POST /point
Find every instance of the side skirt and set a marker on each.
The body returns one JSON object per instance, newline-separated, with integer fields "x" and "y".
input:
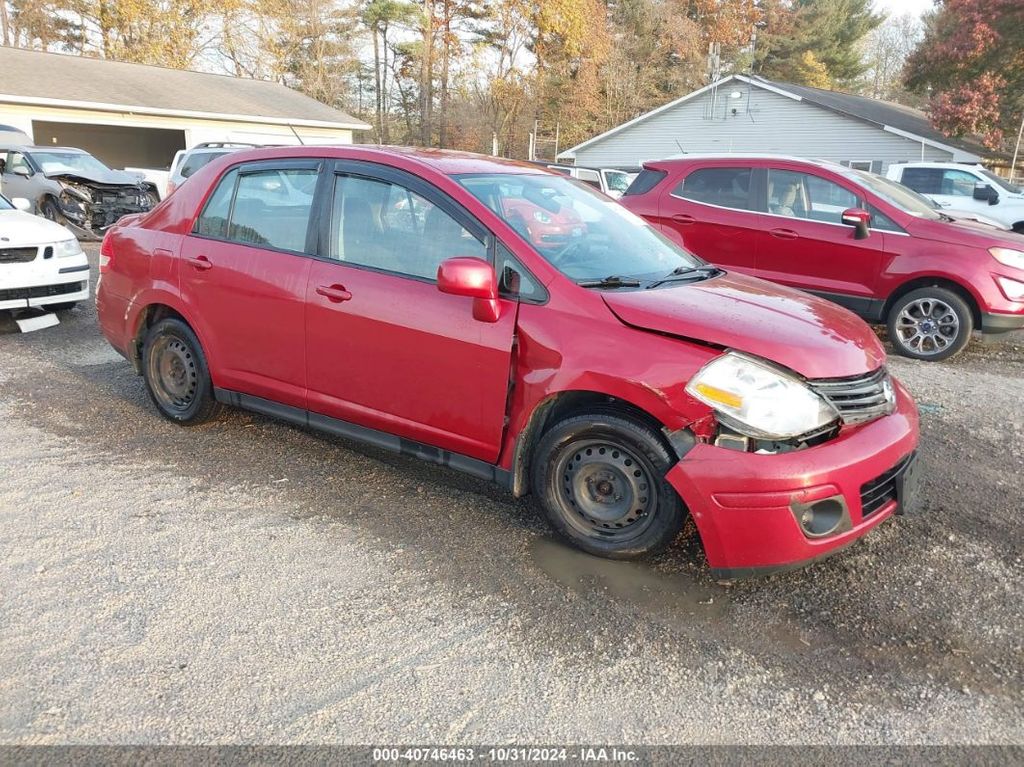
{"x": 375, "y": 437}
{"x": 868, "y": 309}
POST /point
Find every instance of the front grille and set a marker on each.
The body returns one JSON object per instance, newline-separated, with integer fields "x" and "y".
{"x": 41, "y": 291}
{"x": 17, "y": 255}
{"x": 858, "y": 398}
{"x": 879, "y": 491}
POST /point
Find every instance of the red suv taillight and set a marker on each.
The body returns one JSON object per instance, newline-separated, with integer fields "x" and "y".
{"x": 106, "y": 251}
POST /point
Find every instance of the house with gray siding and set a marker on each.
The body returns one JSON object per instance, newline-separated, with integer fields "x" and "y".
{"x": 743, "y": 113}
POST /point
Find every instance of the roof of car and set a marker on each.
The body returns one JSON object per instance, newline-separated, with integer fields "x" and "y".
{"x": 29, "y": 148}
{"x": 741, "y": 156}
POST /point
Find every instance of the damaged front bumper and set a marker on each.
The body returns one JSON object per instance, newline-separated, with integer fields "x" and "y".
{"x": 92, "y": 208}
{"x": 763, "y": 513}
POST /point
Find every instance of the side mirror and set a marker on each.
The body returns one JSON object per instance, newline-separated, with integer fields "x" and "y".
{"x": 986, "y": 193}
{"x": 860, "y": 220}
{"x": 473, "y": 278}
{"x": 21, "y": 170}
{"x": 22, "y": 204}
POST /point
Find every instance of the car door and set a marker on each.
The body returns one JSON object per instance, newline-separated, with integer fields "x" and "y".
{"x": 384, "y": 348}
{"x": 243, "y": 274}
{"x": 712, "y": 212}
{"x": 804, "y": 244}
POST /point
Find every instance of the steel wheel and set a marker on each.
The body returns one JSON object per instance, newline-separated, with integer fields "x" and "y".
{"x": 927, "y": 326}
{"x": 174, "y": 373}
{"x": 608, "y": 488}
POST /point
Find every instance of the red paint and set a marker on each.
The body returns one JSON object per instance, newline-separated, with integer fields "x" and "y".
{"x": 436, "y": 365}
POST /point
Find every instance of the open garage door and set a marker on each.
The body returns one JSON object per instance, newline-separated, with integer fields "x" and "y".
{"x": 116, "y": 145}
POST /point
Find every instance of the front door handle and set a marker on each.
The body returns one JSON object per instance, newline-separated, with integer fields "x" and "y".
{"x": 683, "y": 218}
{"x": 201, "y": 263}
{"x": 334, "y": 293}
{"x": 784, "y": 234}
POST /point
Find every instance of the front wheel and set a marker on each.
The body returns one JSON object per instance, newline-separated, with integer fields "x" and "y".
{"x": 601, "y": 481}
{"x": 51, "y": 211}
{"x": 930, "y": 324}
{"x": 176, "y": 375}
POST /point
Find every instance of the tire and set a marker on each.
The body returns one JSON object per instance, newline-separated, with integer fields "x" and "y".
{"x": 176, "y": 374}
{"x": 600, "y": 479}
{"x": 930, "y": 323}
{"x": 50, "y": 211}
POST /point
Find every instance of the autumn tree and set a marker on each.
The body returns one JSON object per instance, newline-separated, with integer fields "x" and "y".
{"x": 885, "y": 51}
{"x": 971, "y": 61}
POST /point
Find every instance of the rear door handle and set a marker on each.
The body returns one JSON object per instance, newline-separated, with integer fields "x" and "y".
{"x": 784, "y": 234}
{"x": 202, "y": 263}
{"x": 683, "y": 218}
{"x": 334, "y": 293}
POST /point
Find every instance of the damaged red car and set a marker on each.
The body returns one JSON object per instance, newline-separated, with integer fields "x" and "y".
{"x": 621, "y": 380}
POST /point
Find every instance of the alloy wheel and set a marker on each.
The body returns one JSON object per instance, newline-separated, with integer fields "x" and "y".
{"x": 927, "y": 326}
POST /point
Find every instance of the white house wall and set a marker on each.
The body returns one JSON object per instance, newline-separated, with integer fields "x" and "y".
{"x": 768, "y": 123}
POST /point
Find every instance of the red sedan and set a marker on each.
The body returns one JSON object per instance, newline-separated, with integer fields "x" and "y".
{"x": 385, "y": 295}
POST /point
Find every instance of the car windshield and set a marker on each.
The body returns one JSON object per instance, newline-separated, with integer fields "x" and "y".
{"x": 902, "y": 197}
{"x": 579, "y": 231}
{"x": 68, "y": 162}
{"x": 197, "y": 160}
{"x": 1000, "y": 181}
{"x": 618, "y": 181}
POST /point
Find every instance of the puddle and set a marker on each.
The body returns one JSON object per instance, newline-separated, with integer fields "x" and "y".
{"x": 633, "y": 585}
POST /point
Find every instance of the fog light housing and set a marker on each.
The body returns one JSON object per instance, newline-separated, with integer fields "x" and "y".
{"x": 824, "y": 517}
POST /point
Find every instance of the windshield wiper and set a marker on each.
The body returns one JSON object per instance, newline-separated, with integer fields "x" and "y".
{"x": 686, "y": 273}
{"x": 612, "y": 281}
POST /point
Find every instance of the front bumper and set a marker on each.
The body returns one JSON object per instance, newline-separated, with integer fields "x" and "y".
{"x": 741, "y": 502}
{"x": 996, "y": 322}
{"x": 44, "y": 282}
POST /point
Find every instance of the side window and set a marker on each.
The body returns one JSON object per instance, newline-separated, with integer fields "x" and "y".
{"x": 882, "y": 222}
{"x": 16, "y": 163}
{"x": 923, "y": 180}
{"x": 725, "y": 187}
{"x": 591, "y": 177}
{"x": 213, "y": 221}
{"x": 802, "y": 195}
{"x": 387, "y": 226}
{"x": 515, "y": 281}
{"x": 272, "y": 208}
{"x": 959, "y": 183}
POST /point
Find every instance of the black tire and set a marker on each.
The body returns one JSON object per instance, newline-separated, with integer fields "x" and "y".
{"x": 176, "y": 374}
{"x": 600, "y": 479}
{"x": 65, "y": 307}
{"x": 1019, "y": 227}
{"x": 51, "y": 211}
{"x": 930, "y": 323}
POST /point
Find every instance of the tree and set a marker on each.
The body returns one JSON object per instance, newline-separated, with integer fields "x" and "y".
{"x": 971, "y": 61}
{"x": 379, "y": 17}
{"x": 885, "y": 50}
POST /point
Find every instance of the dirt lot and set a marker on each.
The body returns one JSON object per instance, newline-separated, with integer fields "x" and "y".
{"x": 249, "y": 581}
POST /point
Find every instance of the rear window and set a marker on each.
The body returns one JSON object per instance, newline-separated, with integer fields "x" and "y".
{"x": 645, "y": 181}
{"x": 724, "y": 187}
{"x": 197, "y": 160}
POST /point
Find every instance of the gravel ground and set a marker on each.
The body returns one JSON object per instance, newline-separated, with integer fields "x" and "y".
{"x": 247, "y": 581}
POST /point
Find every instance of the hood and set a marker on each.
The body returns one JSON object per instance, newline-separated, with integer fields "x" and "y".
{"x": 814, "y": 337}
{"x": 19, "y": 229}
{"x": 964, "y": 232}
{"x": 976, "y": 220}
{"x": 108, "y": 177}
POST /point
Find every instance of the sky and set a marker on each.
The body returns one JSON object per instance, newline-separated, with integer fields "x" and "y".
{"x": 900, "y": 7}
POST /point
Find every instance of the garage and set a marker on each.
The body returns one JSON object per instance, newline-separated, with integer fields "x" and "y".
{"x": 116, "y": 145}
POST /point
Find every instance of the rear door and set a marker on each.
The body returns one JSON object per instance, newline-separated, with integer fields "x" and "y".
{"x": 243, "y": 275}
{"x": 712, "y": 212}
{"x": 803, "y": 243}
{"x": 384, "y": 348}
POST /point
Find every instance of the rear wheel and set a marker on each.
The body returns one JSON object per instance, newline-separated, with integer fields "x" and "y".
{"x": 601, "y": 481}
{"x": 930, "y": 323}
{"x": 176, "y": 375}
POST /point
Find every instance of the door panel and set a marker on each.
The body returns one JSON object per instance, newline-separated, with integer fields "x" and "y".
{"x": 385, "y": 348}
{"x": 711, "y": 214}
{"x": 803, "y": 245}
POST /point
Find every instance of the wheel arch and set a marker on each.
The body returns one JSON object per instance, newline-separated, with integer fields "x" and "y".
{"x": 563, "y": 404}
{"x": 148, "y": 316}
{"x": 929, "y": 281}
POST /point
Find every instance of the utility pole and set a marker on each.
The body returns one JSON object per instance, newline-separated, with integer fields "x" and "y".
{"x": 1016, "y": 149}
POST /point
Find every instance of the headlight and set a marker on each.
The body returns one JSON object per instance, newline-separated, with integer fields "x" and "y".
{"x": 1008, "y": 256}
{"x": 67, "y": 248}
{"x": 539, "y": 215}
{"x": 1014, "y": 290}
{"x": 759, "y": 400}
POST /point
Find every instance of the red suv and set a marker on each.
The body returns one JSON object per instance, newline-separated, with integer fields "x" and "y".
{"x": 867, "y": 243}
{"x": 384, "y": 295}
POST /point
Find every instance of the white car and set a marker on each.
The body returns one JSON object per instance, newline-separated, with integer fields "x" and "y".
{"x": 41, "y": 263}
{"x": 964, "y": 189}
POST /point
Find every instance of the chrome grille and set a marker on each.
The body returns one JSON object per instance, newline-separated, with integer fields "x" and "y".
{"x": 858, "y": 398}
{"x": 18, "y": 255}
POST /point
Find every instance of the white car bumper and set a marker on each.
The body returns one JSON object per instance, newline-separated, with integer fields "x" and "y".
{"x": 44, "y": 281}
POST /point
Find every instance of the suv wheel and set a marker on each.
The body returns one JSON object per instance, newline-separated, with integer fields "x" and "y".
{"x": 930, "y": 324}
{"x": 176, "y": 374}
{"x": 51, "y": 211}
{"x": 601, "y": 481}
